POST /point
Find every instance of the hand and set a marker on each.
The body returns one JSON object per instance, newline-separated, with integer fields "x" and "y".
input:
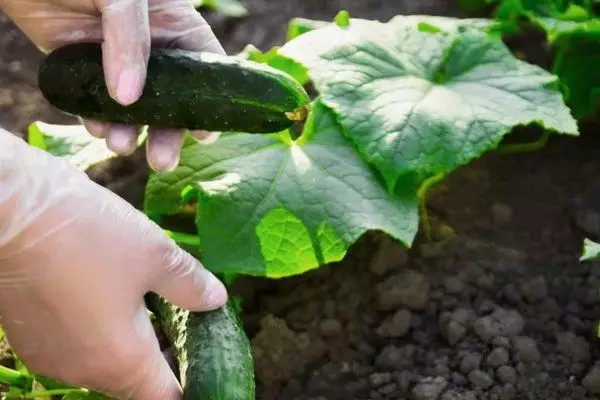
{"x": 75, "y": 263}
{"x": 127, "y": 28}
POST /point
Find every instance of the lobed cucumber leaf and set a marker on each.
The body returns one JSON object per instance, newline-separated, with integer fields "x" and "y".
{"x": 418, "y": 103}
{"x": 272, "y": 206}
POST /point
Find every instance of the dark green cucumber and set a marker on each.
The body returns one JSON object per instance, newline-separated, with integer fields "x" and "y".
{"x": 212, "y": 351}
{"x": 183, "y": 89}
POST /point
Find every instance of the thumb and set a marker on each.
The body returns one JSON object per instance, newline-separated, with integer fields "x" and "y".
{"x": 184, "y": 282}
{"x": 126, "y": 48}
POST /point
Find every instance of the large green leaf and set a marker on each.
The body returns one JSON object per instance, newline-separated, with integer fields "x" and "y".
{"x": 422, "y": 104}
{"x": 272, "y": 206}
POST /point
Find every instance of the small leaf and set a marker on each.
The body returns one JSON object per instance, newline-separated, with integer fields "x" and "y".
{"x": 299, "y": 26}
{"x": 275, "y": 207}
{"x": 591, "y": 250}
{"x": 276, "y": 60}
{"x": 72, "y": 142}
{"x": 576, "y": 65}
{"x": 230, "y": 8}
{"x": 342, "y": 19}
{"x": 423, "y": 104}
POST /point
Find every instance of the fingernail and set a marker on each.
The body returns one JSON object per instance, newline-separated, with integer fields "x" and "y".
{"x": 205, "y": 137}
{"x": 122, "y": 139}
{"x": 129, "y": 87}
{"x": 215, "y": 294}
{"x": 163, "y": 162}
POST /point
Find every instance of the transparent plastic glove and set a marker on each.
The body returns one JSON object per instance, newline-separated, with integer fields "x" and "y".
{"x": 75, "y": 263}
{"x": 127, "y": 28}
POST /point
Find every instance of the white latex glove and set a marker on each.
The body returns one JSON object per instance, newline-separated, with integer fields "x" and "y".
{"x": 75, "y": 263}
{"x": 127, "y": 28}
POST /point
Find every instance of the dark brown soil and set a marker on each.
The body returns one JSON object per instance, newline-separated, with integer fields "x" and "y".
{"x": 503, "y": 311}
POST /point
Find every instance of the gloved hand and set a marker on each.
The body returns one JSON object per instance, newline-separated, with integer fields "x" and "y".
{"x": 127, "y": 28}
{"x": 75, "y": 263}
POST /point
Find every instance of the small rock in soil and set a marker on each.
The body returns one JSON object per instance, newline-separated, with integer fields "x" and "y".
{"x": 330, "y": 327}
{"x": 454, "y": 285}
{"x": 392, "y": 357}
{"x": 455, "y": 394}
{"x": 275, "y": 345}
{"x": 501, "y": 214}
{"x": 390, "y": 255}
{"x": 511, "y": 293}
{"x": 509, "y": 393}
{"x": 485, "y": 306}
{"x": 402, "y": 379}
{"x": 408, "y": 289}
{"x": 481, "y": 379}
{"x": 454, "y": 326}
{"x": 470, "y": 362}
{"x": 501, "y": 322}
{"x": 396, "y": 325}
{"x": 497, "y": 357}
{"x": 429, "y": 388}
{"x": 458, "y": 379}
{"x": 380, "y": 378}
{"x": 573, "y": 346}
{"x": 506, "y": 374}
{"x": 388, "y": 389}
{"x": 525, "y": 349}
{"x": 591, "y": 382}
{"x": 535, "y": 289}
{"x": 501, "y": 341}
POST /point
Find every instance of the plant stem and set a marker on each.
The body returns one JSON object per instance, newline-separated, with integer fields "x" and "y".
{"x": 186, "y": 238}
{"x": 423, "y": 202}
{"x": 11, "y": 377}
{"x": 525, "y": 147}
{"x": 46, "y": 393}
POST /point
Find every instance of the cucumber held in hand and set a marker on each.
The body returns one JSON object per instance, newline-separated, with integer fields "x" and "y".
{"x": 183, "y": 89}
{"x": 212, "y": 351}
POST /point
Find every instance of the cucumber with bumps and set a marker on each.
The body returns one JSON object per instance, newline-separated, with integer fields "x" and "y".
{"x": 183, "y": 89}
{"x": 213, "y": 353}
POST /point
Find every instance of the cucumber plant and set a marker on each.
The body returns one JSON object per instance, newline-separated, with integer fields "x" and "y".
{"x": 396, "y": 106}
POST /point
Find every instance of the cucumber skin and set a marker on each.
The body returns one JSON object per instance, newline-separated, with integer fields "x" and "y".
{"x": 183, "y": 89}
{"x": 212, "y": 350}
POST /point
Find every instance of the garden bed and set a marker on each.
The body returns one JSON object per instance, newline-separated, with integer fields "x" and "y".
{"x": 501, "y": 310}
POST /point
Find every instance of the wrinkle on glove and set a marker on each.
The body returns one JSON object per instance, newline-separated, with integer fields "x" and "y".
{"x": 75, "y": 263}
{"x": 126, "y": 29}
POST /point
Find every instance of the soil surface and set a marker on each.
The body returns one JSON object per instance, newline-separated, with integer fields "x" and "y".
{"x": 503, "y": 310}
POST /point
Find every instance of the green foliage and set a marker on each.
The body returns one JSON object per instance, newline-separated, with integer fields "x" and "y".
{"x": 230, "y": 8}
{"x": 274, "y": 206}
{"x": 72, "y": 142}
{"x": 572, "y": 30}
{"x": 591, "y": 250}
{"x": 387, "y": 83}
{"x": 397, "y": 105}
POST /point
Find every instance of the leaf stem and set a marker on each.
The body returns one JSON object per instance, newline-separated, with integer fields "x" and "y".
{"x": 45, "y": 393}
{"x": 525, "y": 147}
{"x": 185, "y": 238}
{"x": 427, "y": 184}
{"x": 11, "y": 377}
